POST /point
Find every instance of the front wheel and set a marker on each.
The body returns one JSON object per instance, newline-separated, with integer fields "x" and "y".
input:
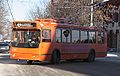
{"x": 55, "y": 58}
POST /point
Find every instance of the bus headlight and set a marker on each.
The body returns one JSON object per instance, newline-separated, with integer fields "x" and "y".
{"x": 13, "y": 49}
{"x": 35, "y": 56}
{"x": 13, "y": 55}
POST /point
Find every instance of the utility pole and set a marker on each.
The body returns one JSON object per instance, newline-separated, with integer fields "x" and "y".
{"x": 91, "y": 15}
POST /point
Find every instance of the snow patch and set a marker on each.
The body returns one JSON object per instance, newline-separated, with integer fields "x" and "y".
{"x": 112, "y": 55}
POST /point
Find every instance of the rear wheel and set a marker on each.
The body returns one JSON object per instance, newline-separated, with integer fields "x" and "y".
{"x": 91, "y": 57}
{"x": 29, "y": 61}
{"x": 55, "y": 58}
{"x": 70, "y": 60}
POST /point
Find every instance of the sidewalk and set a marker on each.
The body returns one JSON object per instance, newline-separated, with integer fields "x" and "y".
{"x": 112, "y": 57}
{"x": 114, "y": 54}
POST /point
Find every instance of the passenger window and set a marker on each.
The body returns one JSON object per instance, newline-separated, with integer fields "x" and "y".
{"x": 92, "y": 37}
{"x": 58, "y": 35}
{"x": 66, "y": 35}
{"x": 46, "y": 35}
{"x": 84, "y": 37}
{"x": 75, "y": 36}
{"x": 101, "y": 37}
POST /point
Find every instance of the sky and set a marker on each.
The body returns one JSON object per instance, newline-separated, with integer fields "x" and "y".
{"x": 20, "y": 8}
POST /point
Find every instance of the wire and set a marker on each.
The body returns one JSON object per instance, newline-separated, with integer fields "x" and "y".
{"x": 10, "y": 10}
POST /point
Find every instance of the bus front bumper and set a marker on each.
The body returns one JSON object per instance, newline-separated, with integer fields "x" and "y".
{"x": 23, "y": 56}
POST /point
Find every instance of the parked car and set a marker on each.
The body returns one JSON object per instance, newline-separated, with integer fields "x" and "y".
{"x": 4, "y": 47}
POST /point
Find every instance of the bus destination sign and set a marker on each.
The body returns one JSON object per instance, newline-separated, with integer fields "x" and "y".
{"x": 25, "y": 24}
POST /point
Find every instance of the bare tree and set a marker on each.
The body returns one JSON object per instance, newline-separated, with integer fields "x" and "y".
{"x": 106, "y": 14}
{"x": 39, "y": 11}
{"x": 77, "y": 10}
{"x": 2, "y": 16}
{"x": 5, "y": 24}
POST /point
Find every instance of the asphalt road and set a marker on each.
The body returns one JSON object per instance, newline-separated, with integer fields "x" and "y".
{"x": 100, "y": 67}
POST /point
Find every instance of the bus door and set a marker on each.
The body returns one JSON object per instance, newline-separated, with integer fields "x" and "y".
{"x": 46, "y": 41}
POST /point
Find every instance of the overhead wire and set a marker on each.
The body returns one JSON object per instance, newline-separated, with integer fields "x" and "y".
{"x": 10, "y": 10}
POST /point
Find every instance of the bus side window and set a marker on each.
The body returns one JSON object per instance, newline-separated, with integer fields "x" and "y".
{"x": 58, "y": 35}
{"x": 75, "y": 36}
{"x": 66, "y": 35}
{"x": 84, "y": 37}
{"x": 100, "y": 37}
{"x": 46, "y": 35}
{"x": 92, "y": 37}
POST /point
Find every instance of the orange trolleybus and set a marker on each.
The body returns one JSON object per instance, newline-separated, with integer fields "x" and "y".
{"x": 54, "y": 40}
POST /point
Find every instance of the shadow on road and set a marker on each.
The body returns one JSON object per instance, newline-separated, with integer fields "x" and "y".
{"x": 97, "y": 68}
{"x": 5, "y": 59}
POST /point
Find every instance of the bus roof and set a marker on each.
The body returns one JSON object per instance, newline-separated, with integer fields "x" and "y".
{"x": 61, "y": 22}
{"x": 64, "y": 23}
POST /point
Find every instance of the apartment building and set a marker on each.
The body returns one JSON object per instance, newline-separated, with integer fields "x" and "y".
{"x": 113, "y": 27}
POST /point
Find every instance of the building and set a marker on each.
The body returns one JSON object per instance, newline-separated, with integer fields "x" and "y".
{"x": 113, "y": 27}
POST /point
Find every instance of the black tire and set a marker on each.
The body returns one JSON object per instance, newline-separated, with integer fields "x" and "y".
{"x": 29, "y": 61}
{"x": 55, "y": 58}
{"x": 91, "y": 57}
{"x": 70, "y": 60}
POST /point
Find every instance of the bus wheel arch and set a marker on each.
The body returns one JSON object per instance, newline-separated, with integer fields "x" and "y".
{"x": 91, "y": 56}
{"x": 56, "y": 56}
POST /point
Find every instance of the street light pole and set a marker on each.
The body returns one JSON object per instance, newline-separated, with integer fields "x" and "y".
{"x": 91, "y": 15}
{"x": 92, "y": 12}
